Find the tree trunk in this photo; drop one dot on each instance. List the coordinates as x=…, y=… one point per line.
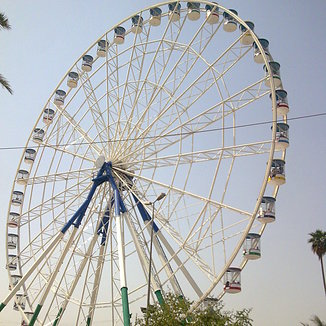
x=323, y=273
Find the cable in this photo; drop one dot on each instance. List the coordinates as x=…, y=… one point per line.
x=175, y=134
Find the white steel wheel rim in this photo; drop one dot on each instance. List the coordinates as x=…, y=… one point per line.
x=171, y=128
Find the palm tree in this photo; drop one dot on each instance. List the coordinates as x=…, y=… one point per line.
x=318, y=247
x=4, y=24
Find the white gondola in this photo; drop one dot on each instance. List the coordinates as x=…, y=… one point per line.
x=119, y=35
x=14, y=280
x=48, y=115
x=72, y=80
x=155, y=16
x=212, y=14
x=17, y=198
x=246, y=37
x=282, y=105
x=22, y=177
x=102, y=48
x=277, y=172
x=87, y=63
x=282, y=136
x=59, y=97
x=174, y=11
x=275, y=70
x=12, y=240
x=232, y=282
x=12, y=262
x=14, y=219
x=251, y=246
x=258, y=56
x=266, y=212
x=38, y=135
x=137, y=24
x=193, y=12
x=30, y=155
x=20, y=301
x=230, y=24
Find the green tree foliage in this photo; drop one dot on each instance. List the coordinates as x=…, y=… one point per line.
x=4, y=24
x=174, y=313
x=318, y=247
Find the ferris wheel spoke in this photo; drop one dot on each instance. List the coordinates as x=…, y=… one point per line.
x=202, y=223
x=76, y=129
x=227, y=152
x=107, y=227
x=78, y=270
x=94, y=108
x=191, y=251
x=192, y=255
x=66, y=122
x=201, y=121
x=182, y=192
x=222, y=199
x=173, y=70
x=158, y=247
x=62, y=198
x=157, y=67
x=195, y=241
x=63, y=306
x=139, y=242
x=134, y=71
x=80, y=240
x=46, y=233
x=166, y=266
x=65, y=149
x=97, y=278
x=62, y=176
x=167, y=227
x=54, y=243
x=185, y=51
x=112, y=92
x=72, y=148
x=192, y=86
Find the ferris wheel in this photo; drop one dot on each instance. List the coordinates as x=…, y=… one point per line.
x=146, y=171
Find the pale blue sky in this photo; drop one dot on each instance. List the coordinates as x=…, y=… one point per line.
x=285, y=286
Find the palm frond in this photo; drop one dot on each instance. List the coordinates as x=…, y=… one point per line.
x=317, y=321
x=4, y=23
x=5, y=84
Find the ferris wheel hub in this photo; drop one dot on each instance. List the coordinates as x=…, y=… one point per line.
x=100, y=161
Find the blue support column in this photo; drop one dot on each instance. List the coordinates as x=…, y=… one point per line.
x=78, y=216
x=144, y=214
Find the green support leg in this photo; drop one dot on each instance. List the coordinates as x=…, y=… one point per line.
x=125, y=306
x=35, y=315
x=58, y=317
x=2, y=305
x=159, y=297
x=88, y=322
